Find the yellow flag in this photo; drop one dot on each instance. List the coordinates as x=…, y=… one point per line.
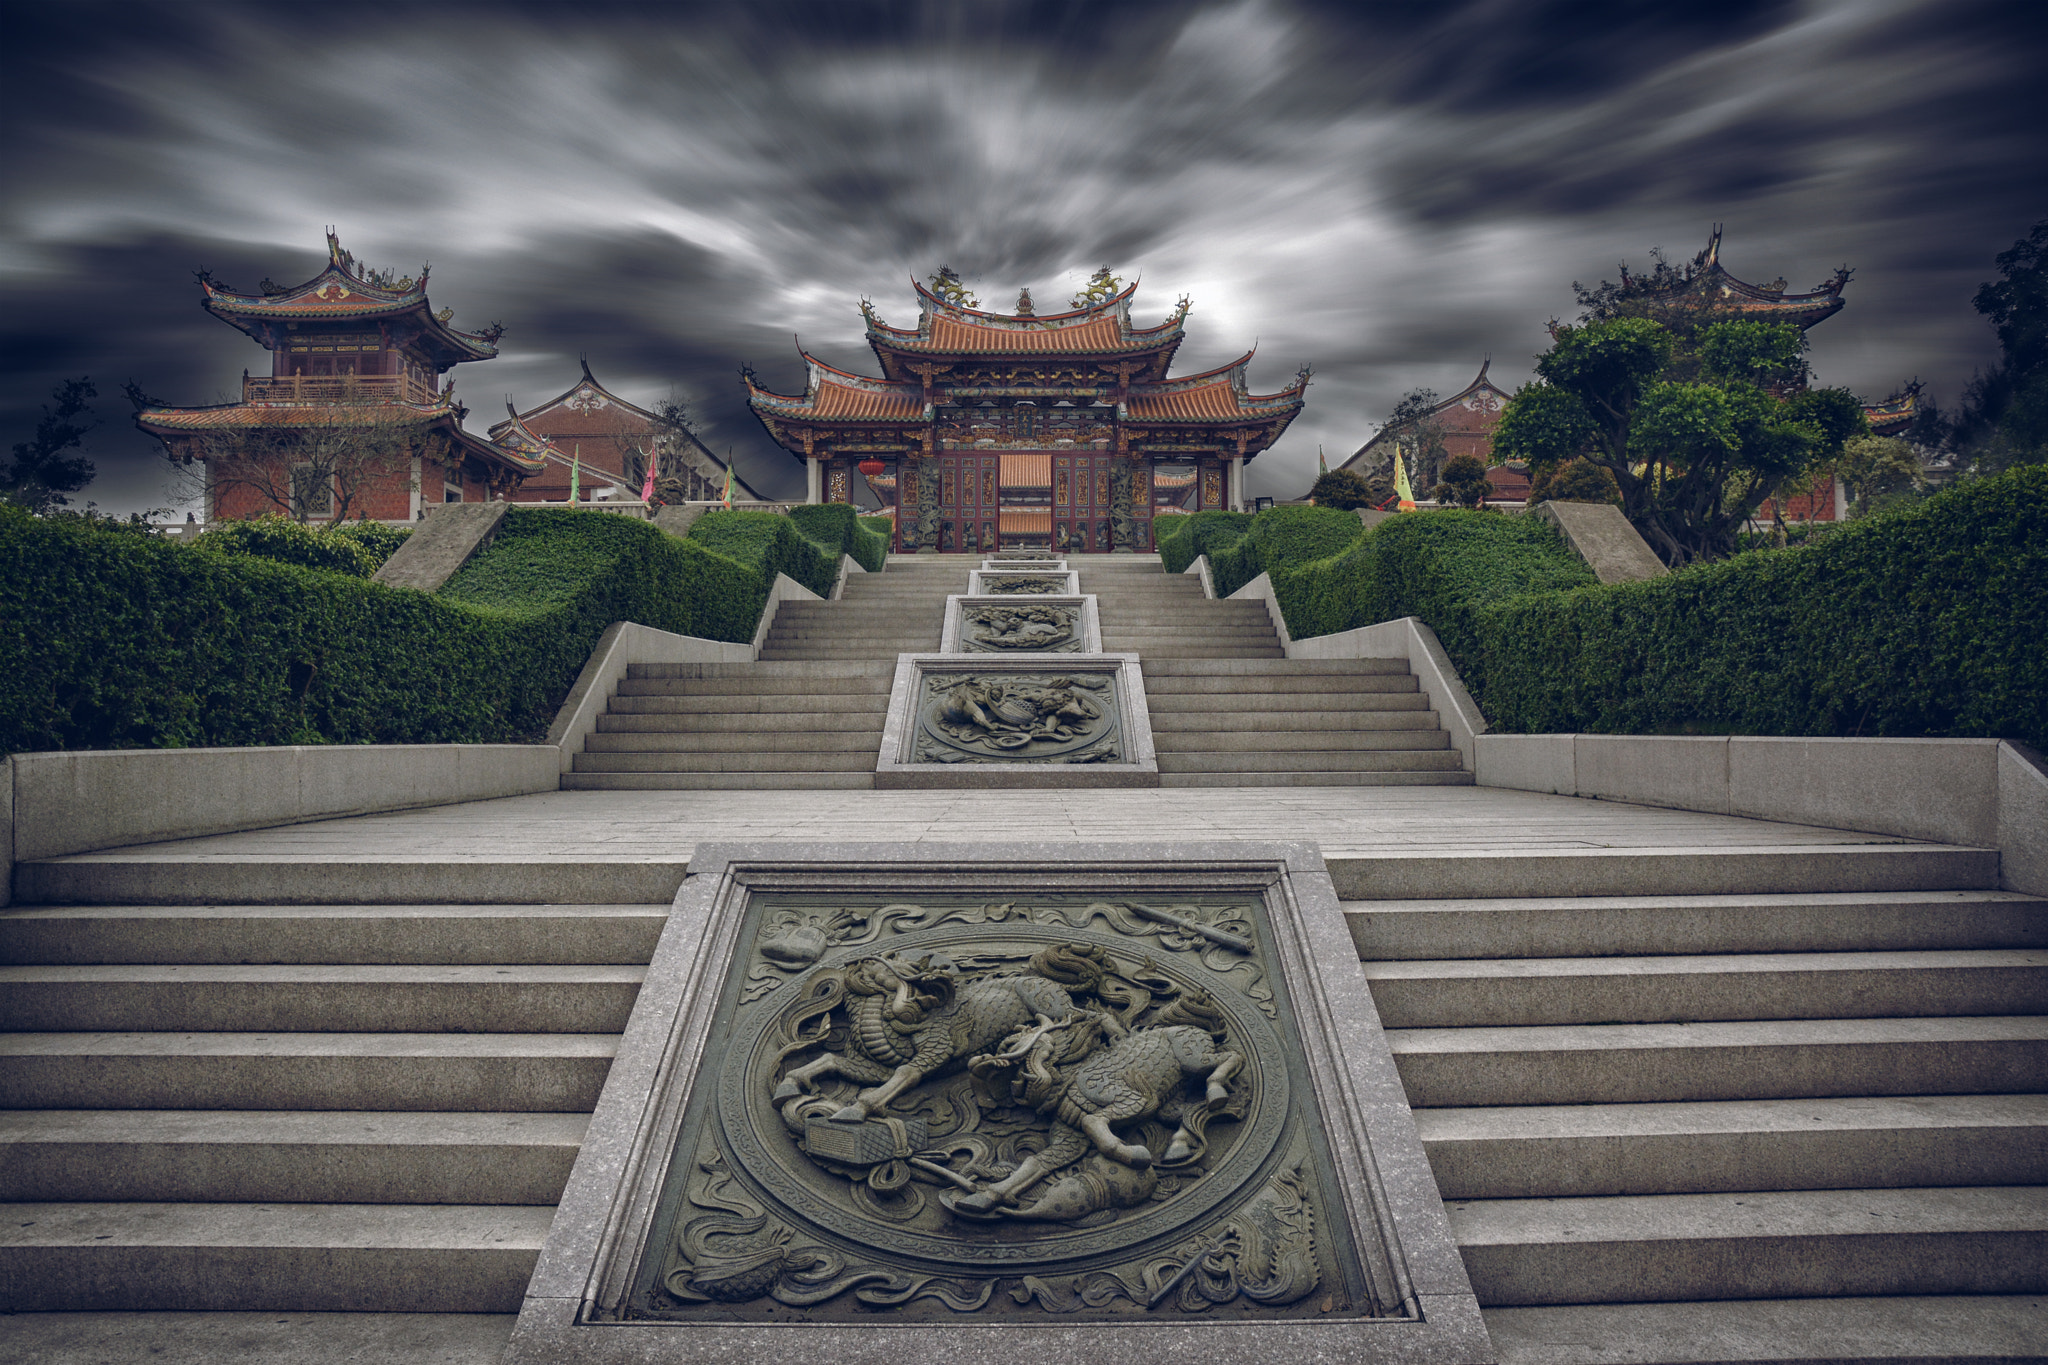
x=1402, y=490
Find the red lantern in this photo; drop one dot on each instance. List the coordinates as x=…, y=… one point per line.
x=871, y=468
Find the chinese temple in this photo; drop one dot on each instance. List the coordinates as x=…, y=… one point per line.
x=607, y=441
x=1466, y=420
x=1059, y=431
x=353, y=351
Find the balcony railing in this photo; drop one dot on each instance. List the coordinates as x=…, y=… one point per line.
x=355, y=388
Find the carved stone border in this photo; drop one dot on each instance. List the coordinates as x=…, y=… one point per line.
x=893, y=766
x=1052, y=563
x=978, y=580
x=957, y=604
x=1388, y=1195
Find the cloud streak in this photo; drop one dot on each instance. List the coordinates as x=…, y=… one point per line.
x=672, y=190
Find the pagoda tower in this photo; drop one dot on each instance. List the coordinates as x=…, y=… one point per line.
x=355, y=355
x=1059, y=431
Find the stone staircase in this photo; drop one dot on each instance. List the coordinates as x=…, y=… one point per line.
x=1228, y=709
x=1702, y=1123
x=365, y=1109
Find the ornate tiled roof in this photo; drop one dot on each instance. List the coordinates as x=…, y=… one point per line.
x=946, y=328
x=520, y=441
x=1218, y=395
x=1895, y=413
x=834, y=394
x=445, y=414
x=1765, y=302
x=346, y=291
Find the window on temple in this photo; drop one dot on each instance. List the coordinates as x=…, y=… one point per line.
x=312, y=494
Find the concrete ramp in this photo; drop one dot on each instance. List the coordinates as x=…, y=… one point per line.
x=442, y=544
x=1599, y=534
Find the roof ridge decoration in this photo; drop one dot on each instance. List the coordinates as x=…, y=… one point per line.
x=345, y=288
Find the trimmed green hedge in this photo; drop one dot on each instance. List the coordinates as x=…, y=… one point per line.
x=285, y=541
x=839, y=526
x=770, y=543
x=1182, y=539
x=1276, y=539
x=1929, y=621
x=1926, y=621
x=118, y=639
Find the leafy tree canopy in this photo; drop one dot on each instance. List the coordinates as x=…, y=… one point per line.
x=43, y=470
x=1696, y=430
x=1343, y=489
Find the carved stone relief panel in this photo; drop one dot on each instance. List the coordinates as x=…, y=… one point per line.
x=1056, y=1108
x=964, y=717
x=1047, y=628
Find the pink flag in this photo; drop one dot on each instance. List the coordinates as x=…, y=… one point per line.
x=647, y=489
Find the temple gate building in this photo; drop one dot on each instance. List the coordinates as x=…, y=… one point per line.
x=1060, y=431
x=353, y=418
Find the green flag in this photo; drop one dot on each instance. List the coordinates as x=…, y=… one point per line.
x=576, y=472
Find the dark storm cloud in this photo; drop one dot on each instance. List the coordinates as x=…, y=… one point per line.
x=1389, y=191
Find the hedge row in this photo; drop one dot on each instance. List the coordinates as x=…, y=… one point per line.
x=1928, y=621
x=119, y=639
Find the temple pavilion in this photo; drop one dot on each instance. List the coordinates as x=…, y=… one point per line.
x=356, y=364
x=1467, y=418
x=606, y=441
x=1059, y=431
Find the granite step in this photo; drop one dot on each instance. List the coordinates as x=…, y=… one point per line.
x=318, y=998
x=732, y=723
x=270, y=1156
x=1507, y=992
x=456, y=1072
x=1755, y=1244
x=1750, y=1059
x=1332, y=743
x=1170, y=677
x=1635, y=926
x=554, y=935
x=686, y=761
x=1445, y=778
x=1812, y=1143
x=436, y=1258
x=721, y=707
x=1294, y=709
x=1299, y=729
x=1311, y=761
x=794, y=735
x=1956, y=1329
x=1302, y=669
x=719, y=781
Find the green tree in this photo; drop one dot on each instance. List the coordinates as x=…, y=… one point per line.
x=1873, y=469
x=1464, y=482
x=1696, y=430
x=1343, y=489
x=1418, y=433
x=2004, y=416
x=43, y=470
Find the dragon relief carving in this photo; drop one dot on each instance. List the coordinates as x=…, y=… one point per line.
x=1008, y=1078
x=1040, y=629
x=1022, y=583
x=1017, y=718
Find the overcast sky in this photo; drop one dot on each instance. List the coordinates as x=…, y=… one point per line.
x=1388, y=191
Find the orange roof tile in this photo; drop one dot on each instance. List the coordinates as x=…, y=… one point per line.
x=951, y=334
x=1207, y=401
x=844, y=400
x=1025, y=469
x=1024, y=522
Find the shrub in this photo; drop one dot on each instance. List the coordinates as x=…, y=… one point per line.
x=1280, y=537
x=1464, y=481
x=837, y=525
x=770, y=543
x=1185, y=538
x=286, y=541
x=1927, y=621
x=379, y=540
x=122, y=640
x=1343, y=489
x=1574, y=481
